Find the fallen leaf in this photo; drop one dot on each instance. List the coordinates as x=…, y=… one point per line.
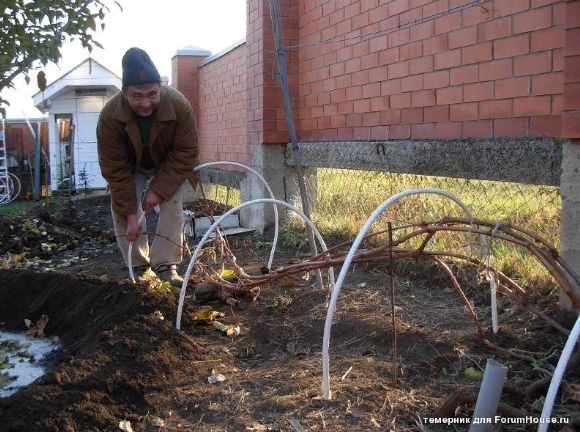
x=257, y=427
x=156, y=422
x=17, y=258
x=231, y=330
x=572, y=391
x=222, y=327
x=207, y=314
x=37, y=330
x=375, y=423
x=27, y=322
x=241, y=330
x=125, y=425
x=215, y=378
x=226, y=273
x=472, y=373
x=165, y=287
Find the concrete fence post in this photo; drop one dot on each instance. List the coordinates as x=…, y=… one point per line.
x=268, y=161
x=570, y=180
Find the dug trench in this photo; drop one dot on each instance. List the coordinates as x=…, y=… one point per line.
x=116, y=351
x=122, y=362
x=124, y=365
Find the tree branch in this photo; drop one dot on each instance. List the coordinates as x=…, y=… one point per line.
x=56, y=39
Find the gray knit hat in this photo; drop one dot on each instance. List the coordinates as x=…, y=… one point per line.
x=138, y=68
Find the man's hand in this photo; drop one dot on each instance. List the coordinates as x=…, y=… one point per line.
x=151, y=200
x=133, y=228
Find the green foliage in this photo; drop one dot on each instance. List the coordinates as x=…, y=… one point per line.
x=33, y=32
x=20, y=208
x=291, y=237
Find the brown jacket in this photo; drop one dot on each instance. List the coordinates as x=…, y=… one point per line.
x=172, y=142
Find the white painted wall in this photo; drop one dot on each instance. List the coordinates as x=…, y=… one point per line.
x=85, y=112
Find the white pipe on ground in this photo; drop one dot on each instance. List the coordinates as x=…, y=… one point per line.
x=326, y=394
x=213, y=227
x=269, y=191
x=197, y=168
x=488, y=398
x=558, y=373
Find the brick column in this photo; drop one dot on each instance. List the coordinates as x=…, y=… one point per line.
x=266, y=128
x=185, y=73
x=185, y=78
x=570, y=180
x=265, y=109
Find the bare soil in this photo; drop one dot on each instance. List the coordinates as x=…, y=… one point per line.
x=122, y=362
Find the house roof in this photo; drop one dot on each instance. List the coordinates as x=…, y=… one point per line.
x=76, y=78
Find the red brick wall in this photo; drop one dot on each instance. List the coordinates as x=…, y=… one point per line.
x=478, y=72
x=185, y=77
x=26, y=145
x=266, y=122
x=571, y=104
x=222, y=108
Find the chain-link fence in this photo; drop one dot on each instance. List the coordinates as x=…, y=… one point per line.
x=512, y=182
x=509, y=181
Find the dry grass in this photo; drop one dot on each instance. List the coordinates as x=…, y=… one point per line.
x=346, y=198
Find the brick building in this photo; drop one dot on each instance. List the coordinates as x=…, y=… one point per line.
x=20, y=144
x=473, y=73
x=464, y=69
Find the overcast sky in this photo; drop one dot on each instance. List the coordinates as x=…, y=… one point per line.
x=158, y=27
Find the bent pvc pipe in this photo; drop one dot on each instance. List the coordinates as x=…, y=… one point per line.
x=276, y=218
x=214, y=226
x=557, y=378
x=269, y=191
x=493, y=285
x=130, y=252
x=326, y=339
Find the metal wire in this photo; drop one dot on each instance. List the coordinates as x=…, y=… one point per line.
x=342, y=38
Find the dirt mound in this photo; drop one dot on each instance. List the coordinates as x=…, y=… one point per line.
x=33, y=238
x=122, y=362
x=117, y=352
x=207, y=206
x=46, y=235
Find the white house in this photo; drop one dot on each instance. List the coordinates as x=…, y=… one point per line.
x=76, y=98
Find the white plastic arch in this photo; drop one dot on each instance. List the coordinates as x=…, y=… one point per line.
x=217, y=222
x=326, y=339
x=197, y=168
x=275, y=241
x=557, y=377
